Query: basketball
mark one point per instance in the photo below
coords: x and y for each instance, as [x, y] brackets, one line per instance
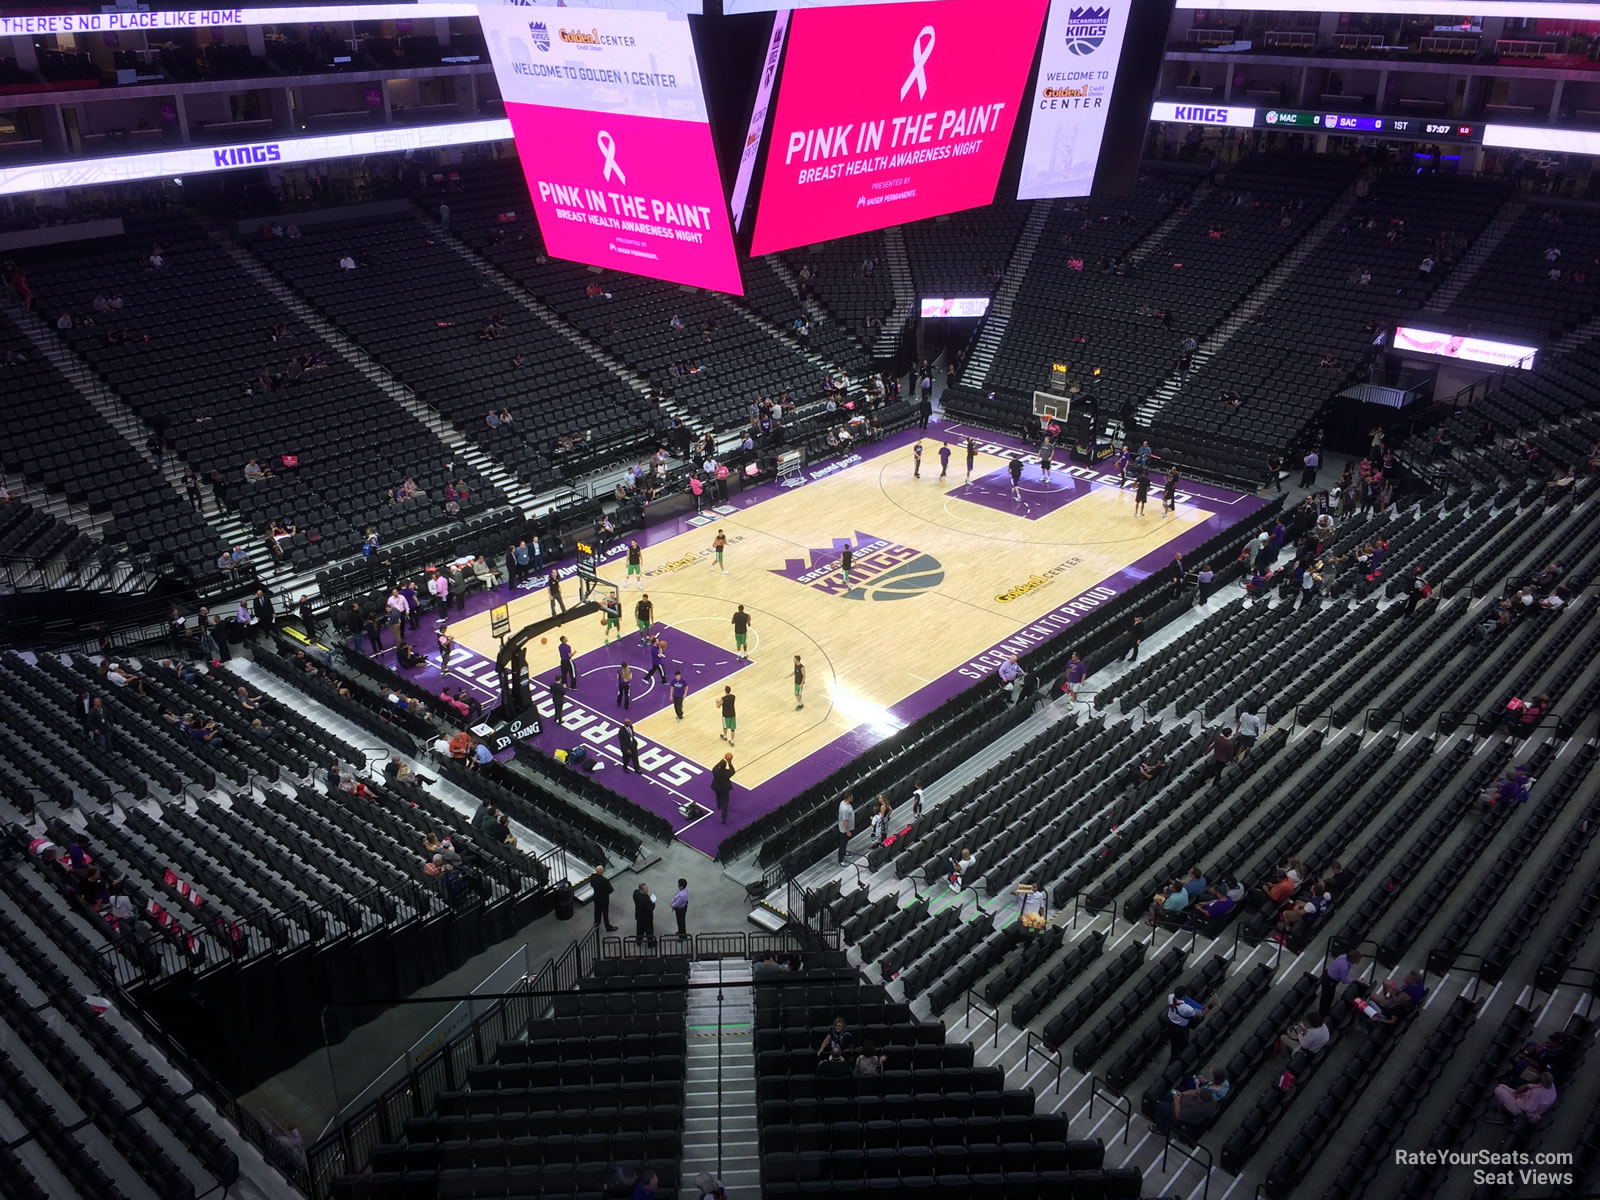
[543, 640]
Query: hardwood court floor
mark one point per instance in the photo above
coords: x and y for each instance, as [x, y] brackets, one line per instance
[971, 576]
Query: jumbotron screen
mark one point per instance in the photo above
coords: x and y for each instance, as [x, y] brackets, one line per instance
[891, 113]
[610, 123]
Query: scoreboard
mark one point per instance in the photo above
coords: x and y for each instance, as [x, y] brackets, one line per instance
[1428, 129]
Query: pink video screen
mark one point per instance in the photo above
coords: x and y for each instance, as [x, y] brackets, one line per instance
[890, 113]
[637, 194]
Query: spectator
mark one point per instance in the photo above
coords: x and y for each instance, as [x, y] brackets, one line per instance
[1250, 726]
[644, 915]
[680, 908]
[869, 1063]
[1135, 636]
[1555, 1055]
[1310, 1034]
[1153, 765]
[602, 888]
[1226, 899]
[1531, 1100]
[1398, 1000]
[1169, 902]
[1181, 1015]
[99, 723]
[1077, 670]
[1340, 971]
[437, 848]
[837, 1040]
[1222, 750]
[1419, 590]
[958, 868]
[1195, 1106]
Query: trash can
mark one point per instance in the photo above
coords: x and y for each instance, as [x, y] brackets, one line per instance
[564, 902]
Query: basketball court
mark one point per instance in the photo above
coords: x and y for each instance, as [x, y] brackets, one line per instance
[950, 576]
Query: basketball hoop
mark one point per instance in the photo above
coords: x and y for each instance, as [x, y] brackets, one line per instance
[1052, 411]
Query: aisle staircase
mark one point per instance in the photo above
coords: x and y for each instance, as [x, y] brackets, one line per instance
[810, 305]
[1158, 235]
[1486, 244]
[905, 293]
[720, 1130]
[976, 370]
[461, 447]
[1217, 340]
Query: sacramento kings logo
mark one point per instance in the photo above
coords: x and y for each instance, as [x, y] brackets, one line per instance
[540, 35]
[1086, 29]
[882, 570]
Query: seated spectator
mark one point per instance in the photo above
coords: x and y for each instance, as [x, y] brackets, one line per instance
[1153, 765]
[1169, 902]
[1339, 880]
[1283, 887]
[1195, 1107]
[437, 848]
[1397, 1000]
[121, 676]
[450, 699]
[1520, 716]
[1312, 907]
[246, 701]
[1531, 1100]
[837, 1040]
[1555, 1055]
[1226, 899]
[1556, 600]
[869, 1063]
[1310, 1034]
[1195, 885]
[487, 572]
[503, 825]
[959, 866]
[1558, 486]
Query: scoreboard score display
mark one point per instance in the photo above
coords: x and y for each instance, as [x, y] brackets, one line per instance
[1434, 129]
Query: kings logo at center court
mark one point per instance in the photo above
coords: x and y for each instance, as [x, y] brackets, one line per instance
[880, 569]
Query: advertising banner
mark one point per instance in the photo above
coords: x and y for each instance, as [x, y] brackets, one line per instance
[892, 113]
[1077, 74]
[610, 125]
[758, 118]
[1468, 349]
[197, 160]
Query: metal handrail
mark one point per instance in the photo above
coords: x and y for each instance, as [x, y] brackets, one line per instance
[988, 1015]
[1118, 1101]
[1367, 723]
[1318, 712]
[1238, 935]
[1082, 900]
[1189, 1150]
[1046, 1053]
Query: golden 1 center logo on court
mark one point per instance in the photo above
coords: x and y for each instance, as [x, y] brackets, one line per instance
[880, 569]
